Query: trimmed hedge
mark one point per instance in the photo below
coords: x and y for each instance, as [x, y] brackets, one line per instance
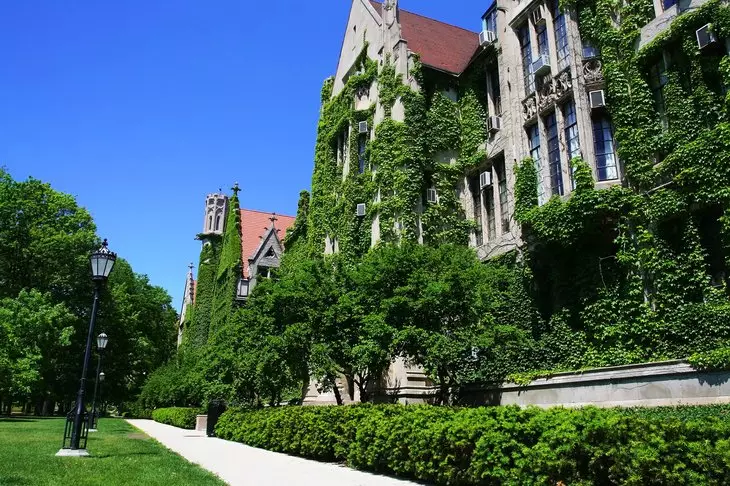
[177, 416]
[499, 445]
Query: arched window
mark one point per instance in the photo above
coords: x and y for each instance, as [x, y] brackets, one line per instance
[210, 222]
[218, 222]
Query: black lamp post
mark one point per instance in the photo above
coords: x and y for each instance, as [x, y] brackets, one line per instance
[102, 262]
[101, 342]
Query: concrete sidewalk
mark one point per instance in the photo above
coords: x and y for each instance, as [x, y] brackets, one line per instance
[241, 465]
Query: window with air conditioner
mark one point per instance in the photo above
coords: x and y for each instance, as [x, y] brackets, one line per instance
[494, 124]
[489, 21]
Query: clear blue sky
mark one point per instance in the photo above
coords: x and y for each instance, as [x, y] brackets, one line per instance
[141, 108]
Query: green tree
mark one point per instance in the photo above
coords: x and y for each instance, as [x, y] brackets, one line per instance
[35, 335]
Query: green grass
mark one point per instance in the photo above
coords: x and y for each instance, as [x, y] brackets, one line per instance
[120, 455]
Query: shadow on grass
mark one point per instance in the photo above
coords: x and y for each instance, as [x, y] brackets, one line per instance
[12, 419]
[121, 454]
[14, 481]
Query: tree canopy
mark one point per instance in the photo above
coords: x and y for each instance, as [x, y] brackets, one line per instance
[45, 300]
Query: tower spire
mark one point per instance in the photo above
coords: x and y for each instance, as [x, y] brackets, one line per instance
[235, 189]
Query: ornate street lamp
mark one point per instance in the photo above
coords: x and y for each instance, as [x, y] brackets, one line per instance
[101, 342]
[76, 431]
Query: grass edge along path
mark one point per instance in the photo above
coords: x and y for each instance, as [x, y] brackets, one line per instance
[120, 455]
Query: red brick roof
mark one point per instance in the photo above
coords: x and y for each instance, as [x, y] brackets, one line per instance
[440, 45]
[254, 226]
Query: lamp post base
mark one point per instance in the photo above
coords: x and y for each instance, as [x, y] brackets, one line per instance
[73, 453]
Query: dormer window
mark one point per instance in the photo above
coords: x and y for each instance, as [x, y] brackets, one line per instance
[489, 22]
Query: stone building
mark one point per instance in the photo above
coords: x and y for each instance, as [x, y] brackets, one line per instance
[261, 235]
[543, 90]
[543, 95]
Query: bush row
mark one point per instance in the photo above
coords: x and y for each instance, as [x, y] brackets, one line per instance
[177, 416]
[497, 445]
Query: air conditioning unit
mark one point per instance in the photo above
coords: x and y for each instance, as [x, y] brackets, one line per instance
[487, 37]
[494, 123]
[361, 209]
[597, 98]
[590, 52]
[485, 179]
[431, 195]
[538, 15]
[705, 36]
[362, 127]
[541, 66]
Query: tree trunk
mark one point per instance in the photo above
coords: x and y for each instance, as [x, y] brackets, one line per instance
[335, 389]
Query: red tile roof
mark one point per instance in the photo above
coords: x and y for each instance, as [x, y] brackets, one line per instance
[440, 45]
[254, 226]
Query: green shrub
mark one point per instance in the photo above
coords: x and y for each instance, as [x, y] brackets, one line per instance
[715, 360]
[177, 416]
[501, 445]
[138, 411]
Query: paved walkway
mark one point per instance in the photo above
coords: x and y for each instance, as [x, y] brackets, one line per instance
[241, 465]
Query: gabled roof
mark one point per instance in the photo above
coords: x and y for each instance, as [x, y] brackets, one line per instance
[254, 227]
[441, 46]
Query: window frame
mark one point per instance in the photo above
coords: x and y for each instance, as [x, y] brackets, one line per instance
[553, 155]
[533, 135]
[602, 124]
[526, 55]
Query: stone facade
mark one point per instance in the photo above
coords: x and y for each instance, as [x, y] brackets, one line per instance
[545, 100]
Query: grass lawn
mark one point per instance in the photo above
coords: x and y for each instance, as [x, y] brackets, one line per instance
[120, 455]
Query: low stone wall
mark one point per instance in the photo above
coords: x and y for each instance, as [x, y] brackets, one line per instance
[654, 384]
[651, 384]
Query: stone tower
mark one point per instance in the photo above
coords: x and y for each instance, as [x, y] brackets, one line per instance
[216, 208]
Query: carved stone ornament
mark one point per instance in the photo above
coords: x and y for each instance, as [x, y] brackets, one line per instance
[529, 107]
[592, 72]
[362, 92]
[563, 84]
[546, 94]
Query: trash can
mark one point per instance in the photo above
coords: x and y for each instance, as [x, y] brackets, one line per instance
[215, 410]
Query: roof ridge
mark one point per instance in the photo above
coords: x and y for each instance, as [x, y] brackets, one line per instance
[431, 18]
[266, 212]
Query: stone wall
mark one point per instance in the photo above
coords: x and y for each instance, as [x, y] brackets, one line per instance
[652, 384]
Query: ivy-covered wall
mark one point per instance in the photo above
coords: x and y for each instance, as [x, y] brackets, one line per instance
[219, 271]
[195, 336]
[435, 144]
[639, 272]
[229, 267]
